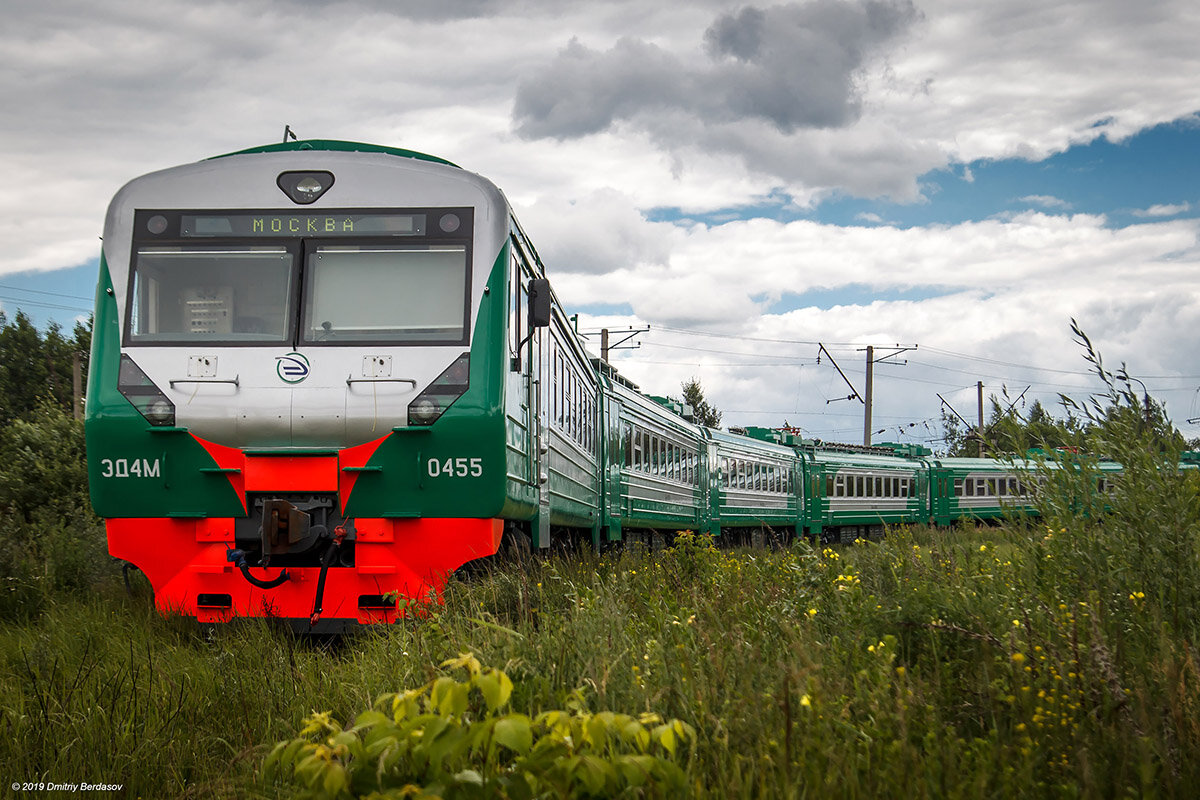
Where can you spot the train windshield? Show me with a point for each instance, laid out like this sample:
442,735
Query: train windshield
385,294
195,294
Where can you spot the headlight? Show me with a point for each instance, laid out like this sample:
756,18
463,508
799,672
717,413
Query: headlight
147,398
439,395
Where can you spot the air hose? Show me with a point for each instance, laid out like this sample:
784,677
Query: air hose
238,559
339,534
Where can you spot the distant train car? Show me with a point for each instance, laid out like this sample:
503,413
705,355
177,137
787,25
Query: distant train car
758,488
661,474
864,489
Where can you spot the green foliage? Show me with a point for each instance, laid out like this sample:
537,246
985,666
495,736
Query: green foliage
454,739
52,541
36,368
702,412
1103,425
1144,536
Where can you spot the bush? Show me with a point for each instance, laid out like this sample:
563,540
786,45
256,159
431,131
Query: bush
453,739
52,540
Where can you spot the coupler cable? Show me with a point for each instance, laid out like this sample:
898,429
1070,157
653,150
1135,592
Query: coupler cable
238,559
339,534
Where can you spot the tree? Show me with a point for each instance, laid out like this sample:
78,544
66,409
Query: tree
36,367
703,413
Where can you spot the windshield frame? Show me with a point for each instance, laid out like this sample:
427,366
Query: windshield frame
165,228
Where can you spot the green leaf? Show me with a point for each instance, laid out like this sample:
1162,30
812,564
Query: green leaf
469,777
515,732
665,735
334,780
594,773
636,769
496,688
633,733
368,719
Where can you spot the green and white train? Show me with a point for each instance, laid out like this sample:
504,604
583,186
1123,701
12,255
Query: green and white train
325,375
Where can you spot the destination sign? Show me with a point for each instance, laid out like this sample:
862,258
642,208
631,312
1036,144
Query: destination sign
301,224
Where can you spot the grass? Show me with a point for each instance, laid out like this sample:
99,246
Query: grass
1003,661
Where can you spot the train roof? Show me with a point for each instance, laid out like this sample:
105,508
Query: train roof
735,439
338,145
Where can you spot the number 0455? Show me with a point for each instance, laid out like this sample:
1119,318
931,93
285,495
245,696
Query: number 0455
454,467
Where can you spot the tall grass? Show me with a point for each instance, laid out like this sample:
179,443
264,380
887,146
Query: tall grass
968,662
1049,658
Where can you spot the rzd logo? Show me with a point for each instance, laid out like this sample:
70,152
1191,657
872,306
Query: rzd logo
291,368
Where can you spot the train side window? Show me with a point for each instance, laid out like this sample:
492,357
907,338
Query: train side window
514,309
833,486
958,487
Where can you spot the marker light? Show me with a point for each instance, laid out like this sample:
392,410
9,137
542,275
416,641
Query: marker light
147,398
438,396
303,188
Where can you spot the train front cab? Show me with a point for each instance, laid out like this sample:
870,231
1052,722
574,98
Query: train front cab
211,435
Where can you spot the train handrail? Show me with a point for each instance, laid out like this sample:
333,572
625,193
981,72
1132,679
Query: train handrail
351,379
233,380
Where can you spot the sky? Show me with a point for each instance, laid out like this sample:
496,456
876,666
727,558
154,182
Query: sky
748,182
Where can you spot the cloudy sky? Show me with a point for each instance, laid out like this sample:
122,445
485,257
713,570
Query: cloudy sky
745,180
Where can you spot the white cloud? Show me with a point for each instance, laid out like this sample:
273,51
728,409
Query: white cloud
100,92
1005,290
1044,200
1163,210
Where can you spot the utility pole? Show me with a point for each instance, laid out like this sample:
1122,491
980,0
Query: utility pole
606,343
870,390
897,350
979,429
76,386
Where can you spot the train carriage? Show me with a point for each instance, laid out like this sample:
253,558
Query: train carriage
663,477
864,489
757,487
985,488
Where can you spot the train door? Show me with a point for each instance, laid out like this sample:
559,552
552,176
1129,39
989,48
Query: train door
613,456
711,484
939,496
539,400
814,474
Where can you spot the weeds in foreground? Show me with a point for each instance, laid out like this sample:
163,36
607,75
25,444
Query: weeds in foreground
1056,657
